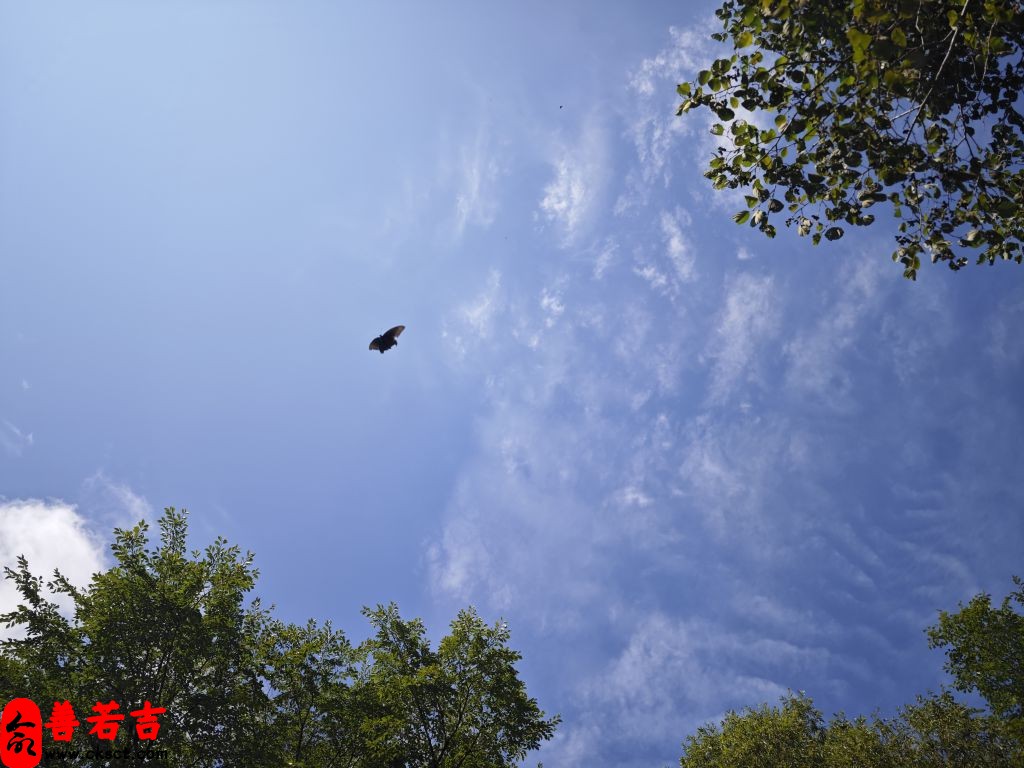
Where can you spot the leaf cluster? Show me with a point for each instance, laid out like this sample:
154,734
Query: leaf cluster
984,648
934,731
242,688
853,103
984,651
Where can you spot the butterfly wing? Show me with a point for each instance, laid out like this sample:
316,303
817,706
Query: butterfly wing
395,332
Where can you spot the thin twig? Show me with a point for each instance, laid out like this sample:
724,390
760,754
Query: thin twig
938,74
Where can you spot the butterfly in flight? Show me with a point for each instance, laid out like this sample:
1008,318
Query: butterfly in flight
387,340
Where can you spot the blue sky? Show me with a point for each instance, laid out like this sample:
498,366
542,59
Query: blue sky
691,467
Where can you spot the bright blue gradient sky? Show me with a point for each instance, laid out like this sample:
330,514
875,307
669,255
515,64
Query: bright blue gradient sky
691,467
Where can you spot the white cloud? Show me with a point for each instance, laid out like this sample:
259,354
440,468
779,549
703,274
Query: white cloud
50,534
473,322
14,440
113,504
1006,346
815,356
476,198
604,259
677,246
552,304
749,319
671,676
564,196
657,495
652,123
677,265
731,470
581,171
514,526
634,324
687,52
654,277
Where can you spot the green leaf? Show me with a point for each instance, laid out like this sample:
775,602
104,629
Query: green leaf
1007,208
859,107
741,217
859,41
751,200
683,89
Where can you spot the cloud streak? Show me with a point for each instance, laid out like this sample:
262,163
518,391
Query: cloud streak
580,174
14,441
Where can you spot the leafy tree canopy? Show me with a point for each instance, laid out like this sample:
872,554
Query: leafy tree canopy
984,651
241,688
914,103
460,705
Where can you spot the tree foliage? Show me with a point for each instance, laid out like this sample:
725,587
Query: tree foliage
854,103
162,625
984,651
460,705
241,688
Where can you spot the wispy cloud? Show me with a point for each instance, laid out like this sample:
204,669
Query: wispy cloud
581,173
673,266
14,440
477,175
605,258
748,320
671,675
1006,346
654,481
678,248
473,322
113,504
552,304
653,127
816,355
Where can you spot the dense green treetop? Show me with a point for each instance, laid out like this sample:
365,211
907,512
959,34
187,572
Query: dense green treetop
984,652
461,705
241,688
853,103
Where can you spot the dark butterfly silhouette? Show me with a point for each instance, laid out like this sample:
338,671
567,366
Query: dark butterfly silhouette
387,340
